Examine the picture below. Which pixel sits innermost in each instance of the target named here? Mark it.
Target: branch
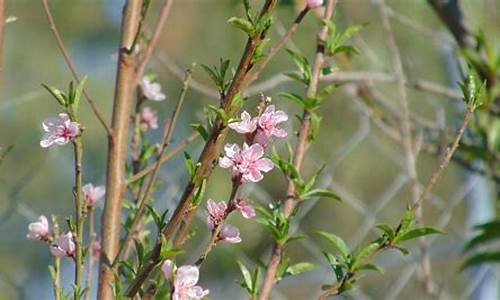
(79, 214)
(72, 68)
(449, 12)
(302, 144)
(167, 134)
(208, 156)
(117, 148)
(164, 11)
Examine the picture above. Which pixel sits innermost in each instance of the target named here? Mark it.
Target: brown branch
(252, 76)
(164, 11)
(300, 149)
(117, 148)
(167, 134)
(208, 156)
(72, 68)
(451, 15)
(90, 253)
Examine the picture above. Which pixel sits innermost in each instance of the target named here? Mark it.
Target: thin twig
(79, 213)
(165, 157)
(300, 149)
(167, 134)
(164, 11)
(209, 155)
(90, 253)
(254, 74)
(117, 148)
(72, 68)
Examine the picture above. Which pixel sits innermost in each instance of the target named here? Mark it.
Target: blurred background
(358, 141)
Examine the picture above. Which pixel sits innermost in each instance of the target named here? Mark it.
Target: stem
(300, 149)
(167, 134)
(117, 148)
(277, 47)
(436, 175)
(208, 157)
(165, 9)
(90, 254)
(165, 157)
(216, 231)
(71, 66)
(56, 278)
(79, 213)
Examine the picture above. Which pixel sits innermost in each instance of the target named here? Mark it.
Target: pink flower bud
(247, 162)
(39, 230)
(168, 269)
(64, 246)
(151, 90)
(59, 131)
(93, 193)
(314, 3)
(230, 234)
(149, 120)
(216, 213)
(245, 209)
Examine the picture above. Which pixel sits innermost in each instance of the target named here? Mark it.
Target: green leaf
(337, 242)
(188, 162)
(387, 230)
(302, 63)
(300, 268)
(363, 254)
(57, 94)
(372, 267)
(483, 257)
(201, 130)
(315, 125)
(293, 97)
(490, 231)
(320, 193)
(407, 220)
(326, 91)
(415, 233)
(75, 102)
(242, 24)
(246, 276)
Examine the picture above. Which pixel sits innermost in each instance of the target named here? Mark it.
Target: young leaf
(294, 98)
(300, 268)
(242, 24)
(320, 193)
(482, 257)
(364, 253)
(247, 277)
(415, 233)
(336, 242)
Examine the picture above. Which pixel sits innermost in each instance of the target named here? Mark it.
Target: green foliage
(335, 43)
(304, 74)
(489, 233)
(275, 222)
(481, 257)
(473, 90)
(218, 75)
(286, 269)
(70, 101)
(250, 280)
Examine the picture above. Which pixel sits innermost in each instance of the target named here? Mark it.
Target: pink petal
(187, 276)
(264, 164)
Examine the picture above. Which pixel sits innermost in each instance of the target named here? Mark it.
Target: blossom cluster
(64, 245)
(151, 91)
(247, 164)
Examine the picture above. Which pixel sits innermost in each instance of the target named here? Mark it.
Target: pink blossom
(247, 162)
(245, 209)
(186, 278)
(152, 90)
(268, 125)
(96, 249)
(230, 234)
(64, 246)
(216, 213)
(39, 230)
(247, 124)
(314, 3)
(149, 120)
(59, 130)
(93, 193)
